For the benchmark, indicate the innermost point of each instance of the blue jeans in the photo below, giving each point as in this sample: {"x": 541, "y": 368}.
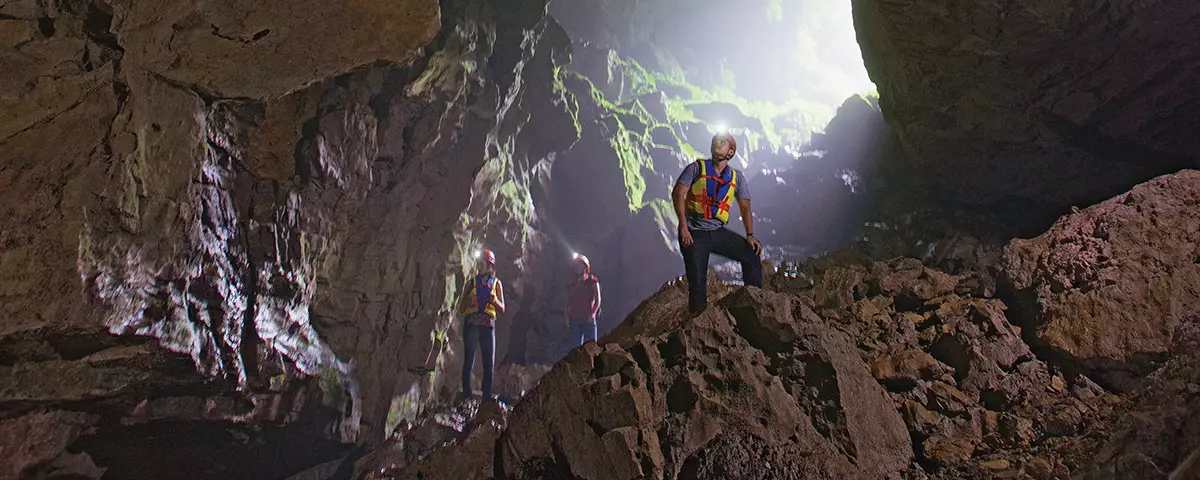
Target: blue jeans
{"x": 726, "y": 244}
{"x": 475, "y": 338}
{"x": 582, "y": 330}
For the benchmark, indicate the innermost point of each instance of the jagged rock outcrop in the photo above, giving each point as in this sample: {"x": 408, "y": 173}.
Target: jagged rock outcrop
{"x": 710, "y": 397}
{"x": 858, "y": 378}
{"x": 1034, "y": 107}
{"x": 454, "y": 442}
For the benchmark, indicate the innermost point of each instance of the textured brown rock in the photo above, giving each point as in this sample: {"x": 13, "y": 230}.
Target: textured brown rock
{"x": 903, "y": 370}
{"x": 690, "y": 397}
{"x": 1036, "y": 105}
{"x": 37, "y": 438}
{"x": 261, "y": 50}
{"x": 1157, "y": 437}
{"x": 946, "y": 450}
{"x": 1114, "y": 286}
{"x": 448, "y": 442}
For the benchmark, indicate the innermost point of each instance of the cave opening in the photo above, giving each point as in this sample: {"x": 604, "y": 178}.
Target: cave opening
{"x": 786, "y": 79}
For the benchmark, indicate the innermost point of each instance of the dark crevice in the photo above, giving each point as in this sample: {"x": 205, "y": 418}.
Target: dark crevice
{"x": 596, "y": 428}
{"x": 950, "y": 351}
{"x": 260, "y": 34}
{"x": 86, "y": 60}
{"x": 690, "y": 469}
{"x": 642, "y": 359}
{"x": 994, "y": 400}
{"x": 497, "y": 459}
{"x": 1091, "y": 140}
{"x": 303, "y": 152}
{"x": 918, "y": 443}
{"x": 209, "y": 98}
{"x": 216, "y": 31}
{"x": 681, "y": 398}
{"x": 392, "y": 88}
{"x": 210, "y": 449}
{"x": 407, "y": 137}
{"x": 223, "y": 158}
{"x": 899, "y": 384}
{"x": 248, "y": 349}
{"x": 97, "y": 25}
{"x": 672, "y": 351}
{"x": 46, "y": 26}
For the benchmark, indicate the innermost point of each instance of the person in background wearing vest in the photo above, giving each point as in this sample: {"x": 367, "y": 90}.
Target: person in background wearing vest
{"x": 703, "y": 196}
{"x": 483, "y": 298}
{"x": 583, "y": 302}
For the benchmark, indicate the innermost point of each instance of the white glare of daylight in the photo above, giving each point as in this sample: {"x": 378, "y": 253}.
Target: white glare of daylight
{"x": 852, "y": 179}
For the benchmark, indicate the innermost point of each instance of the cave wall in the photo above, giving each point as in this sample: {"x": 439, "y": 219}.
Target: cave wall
{"x": 285, "y": 205}
{"x": 1031, "y": 107}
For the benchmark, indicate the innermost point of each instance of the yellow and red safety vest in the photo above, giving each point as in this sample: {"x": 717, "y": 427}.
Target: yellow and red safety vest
{"x": 712, "y": 195}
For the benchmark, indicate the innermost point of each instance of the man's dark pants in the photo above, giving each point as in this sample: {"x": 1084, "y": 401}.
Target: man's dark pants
{"x": 582, "y": 330}
{"x": 478, "y": 338}
{"x": 726, "y": 244}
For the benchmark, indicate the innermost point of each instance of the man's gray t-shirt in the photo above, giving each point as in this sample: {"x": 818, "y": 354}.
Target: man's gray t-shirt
{"x": 696, "y": 221}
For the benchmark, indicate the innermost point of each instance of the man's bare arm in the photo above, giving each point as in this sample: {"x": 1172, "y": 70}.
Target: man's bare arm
{"x": 679, "y": 199}
{"x": 747, "y": 217}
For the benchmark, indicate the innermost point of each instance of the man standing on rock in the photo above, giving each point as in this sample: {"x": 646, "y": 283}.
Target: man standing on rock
{"x": 483, "y": 297}
{"x": 703, "y": 196}
{"x": 583, "y": 302}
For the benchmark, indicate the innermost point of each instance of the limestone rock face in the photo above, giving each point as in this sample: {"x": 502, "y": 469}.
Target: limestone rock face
{"x": 248, "y": 219}
{"x": 1115, "y": 286}
{"x": 1034, "y": 105}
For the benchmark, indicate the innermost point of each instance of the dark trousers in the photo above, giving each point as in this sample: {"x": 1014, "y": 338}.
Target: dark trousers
{"x": 478, "y": 338}
{"x": 726, "y": 244}
{"x": 582, "y": 330}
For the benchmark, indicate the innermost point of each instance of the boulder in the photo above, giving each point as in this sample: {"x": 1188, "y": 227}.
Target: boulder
{"x": 1115, "y": 287}
{"x": 756, "y": 377}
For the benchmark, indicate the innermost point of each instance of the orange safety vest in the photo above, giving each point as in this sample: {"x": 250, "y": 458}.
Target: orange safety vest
{"x": 710, "y": 195}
